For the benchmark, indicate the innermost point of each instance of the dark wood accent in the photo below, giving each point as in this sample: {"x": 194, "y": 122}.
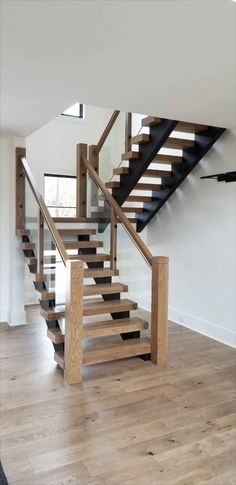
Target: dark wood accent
{"x": 106, "y": 132}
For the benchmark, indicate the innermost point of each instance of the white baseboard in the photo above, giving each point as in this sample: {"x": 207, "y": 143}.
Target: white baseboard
{"x": 209, "y": 329}
{"x": 204, "y": 327}
{"x": 16, "y": 318}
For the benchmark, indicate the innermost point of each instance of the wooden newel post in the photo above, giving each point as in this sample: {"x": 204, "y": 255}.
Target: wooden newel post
{"x": 74, "y": 322}
{"x": 159, "y": 322}
{"x": 20, "y": 189}
{"x": 94, "y": 160}
{"x": 40, "y": 245}
{"x": 128, "y": 131}
{"x": 81, "y": 175}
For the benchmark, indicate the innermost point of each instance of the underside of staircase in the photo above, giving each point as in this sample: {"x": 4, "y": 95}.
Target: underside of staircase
{"x": 149, "y": 175}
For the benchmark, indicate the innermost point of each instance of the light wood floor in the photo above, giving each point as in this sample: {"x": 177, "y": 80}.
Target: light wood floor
{"x": 128, "y": 423}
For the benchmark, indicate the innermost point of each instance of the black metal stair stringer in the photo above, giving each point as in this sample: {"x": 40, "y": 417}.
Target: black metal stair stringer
{"x": 147, "y": 151}
{"x": 191, "y": 157}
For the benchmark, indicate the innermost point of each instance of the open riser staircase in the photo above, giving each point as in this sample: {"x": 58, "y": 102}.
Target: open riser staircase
{"x": 157, "y": 163}
{"x": 101, "y": 298}
{"x": 93, "y": 320}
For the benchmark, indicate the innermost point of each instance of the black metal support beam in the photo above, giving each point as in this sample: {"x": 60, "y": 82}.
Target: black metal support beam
{"x": 191, "y": 157}
{"x": 147, "y": 151}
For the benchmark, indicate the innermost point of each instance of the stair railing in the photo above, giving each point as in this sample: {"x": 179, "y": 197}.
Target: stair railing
{"x": 74, "y": 269}
{"x": 158, "y": 264}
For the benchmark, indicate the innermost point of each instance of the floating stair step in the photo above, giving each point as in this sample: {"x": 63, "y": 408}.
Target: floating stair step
{"x": 91, "y": 258}
{"x": 147, "y": 187}
{"x": 76, "y": 232}
{"x": 138, "y": 198}
{"x": 116, "y": 350}
{"x": 32, "y": 261}
{"x": 22, "y": 232}
{"x": 157, "y": 173}
{"x": 43, "y": 276}
{"x": 150, "y": 121}
{"x": 27, "y": 246}
{"x": 100, "y": 307}
{"x": 121, "y": 170}
{"x": 110, "y": 351}
{"x": 46, "y": 295}
{"x": 55, "y": 335}
{"x": 114, "y": 327}
{"x": 82, "y": 244}
{"x": 140, "y": 139}
{"x": 178, "y": 143}
{"x": 51, "y": 314}
{"x": 92, "y": 307}
{"x": 73, "y": 220}
{"x": 112, "y": 185}
{"x": 170, "y": 159}
{"x": 88, "y": 273}
{"x": 100, "y": 273}
{"x": 190, "y": 127}
{"x": 132, "y": 210}
{"x": 133, "y": 220}
{"x": 104, "y": 289}
{"x": 130, "y": 155}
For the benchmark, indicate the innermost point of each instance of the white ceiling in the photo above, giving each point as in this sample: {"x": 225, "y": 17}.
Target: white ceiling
{"x": 172, "y": 58}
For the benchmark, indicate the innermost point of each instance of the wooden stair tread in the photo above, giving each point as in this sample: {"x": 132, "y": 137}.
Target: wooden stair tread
{"x": 46, "y": 294}
{"x": 116, "y": 350}
{"x": 130, "y": 155}
{"x": 51, "y": 314}
{"x": 112, "y": 184}
{"x": 27, "y": 246}
{"x": 82, "y": 244}
{"x": 91, "y": 258}
{"x": 138, "y": 198}
{"x": 55, "y": 335}
{"x": 157, "y": 173}
{"x": 100, "y": 272}
{"x": 31, "y": 261}
{"x": 99, "y": 307}
{"x": 178, "y": 143}
{"x": 91, "y": 307}
{"x": 110, "y": 351}
{"x": 186, "y": 127}
{"x": 103, "y": 329}
{"x": 132, "y": 210}
{"x": 151, "y": 121}
{"x": 169, "y": 159}
{"x": 104, "y": 289}
{"x": 76, "y": 232}
{"x": 141, "y": 186}
{"x": 139, "y": 139}
{"x": 114, "y": 327}
{"x": 121, "y": 170}
{"x": 22, "y": 232}
{"x": 73, "y": 220}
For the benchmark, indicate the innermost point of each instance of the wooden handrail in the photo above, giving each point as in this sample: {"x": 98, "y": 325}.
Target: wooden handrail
{"x": 106, "y": 132}
{"x": 44, "y": 211}
{"x": 119, "y": 212}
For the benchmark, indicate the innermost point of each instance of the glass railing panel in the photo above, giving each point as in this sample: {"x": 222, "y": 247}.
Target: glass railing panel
{"x": 114, "y": 146}
{"x": 31, "y": 214}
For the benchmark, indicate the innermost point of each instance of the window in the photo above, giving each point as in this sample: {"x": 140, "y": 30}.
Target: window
{"x": 60, "y": 195}
{"x": 75, "y": 111}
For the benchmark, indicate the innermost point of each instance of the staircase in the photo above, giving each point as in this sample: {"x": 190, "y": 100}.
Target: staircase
{"x": 102, "y": 301}
{"x": 93, "y": 321}
{"x": 150, "y": 175}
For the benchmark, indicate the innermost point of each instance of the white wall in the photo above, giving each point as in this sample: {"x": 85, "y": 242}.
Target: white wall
{"x": 52, "y": 148}
{"x": 197, "y": 230}
{"x": 11, "y": 257}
